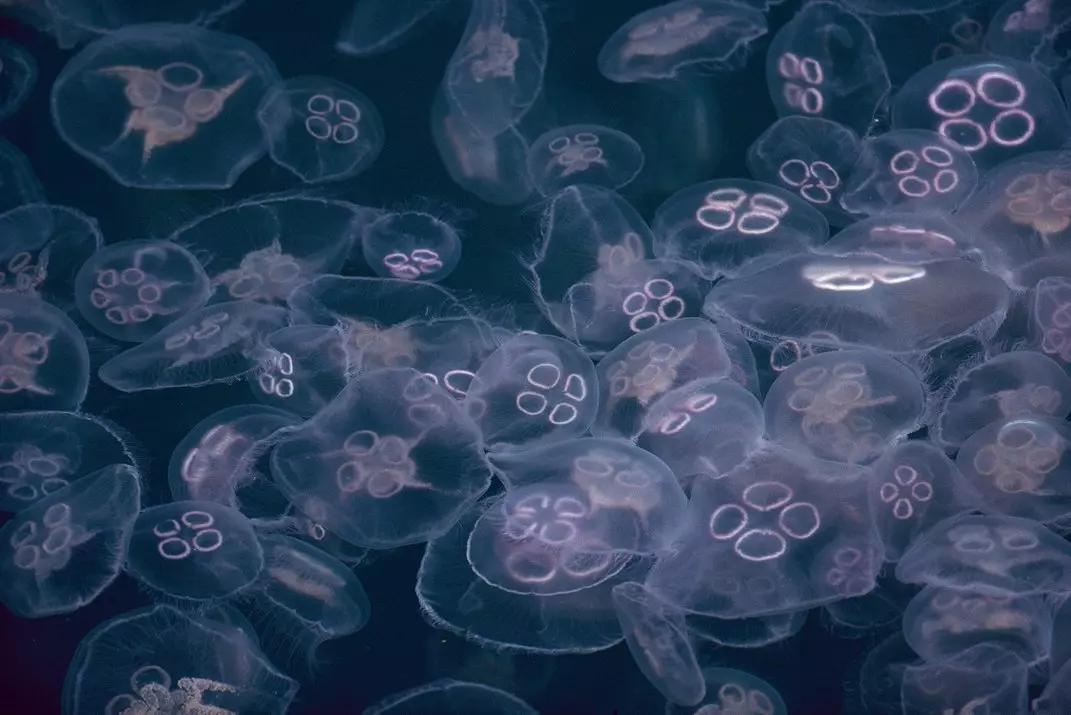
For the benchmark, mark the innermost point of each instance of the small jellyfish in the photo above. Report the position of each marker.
(320, 129)
(163, 106)
(825, 63)
(18, 74)
(583, 154)
(132, 290)
(496, 72)
(160, 659)
(44, 361)
(42, 248)
(61, 553)
(194, 550)
(411, 245)
(665, 41)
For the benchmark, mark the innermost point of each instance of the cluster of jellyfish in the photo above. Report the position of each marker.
(840, 385)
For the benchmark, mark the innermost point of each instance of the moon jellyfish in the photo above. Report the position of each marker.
(903, 238)
(583, 154)
(18, 75)
(44, 361)
(411, 245)
(42, 453)
(983, 676)
(301, 368)
(320, 129)
(496, 72)
(194, 550)
(377, 26)
(159, 658)
(391, 461)
(734, 692)
(446, 696)
(746, 632)
(42, 248)
(659, 643)
(216, 343)
(132, 290)
(61, 553)
(163, 106)
(18, 184)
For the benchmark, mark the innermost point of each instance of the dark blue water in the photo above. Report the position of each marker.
(397, 649)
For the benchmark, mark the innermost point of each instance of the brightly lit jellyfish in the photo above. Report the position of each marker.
(861, 300)
(780, 533)
(660, 644)
(706, 426)
(583, 154)
(825, 63)
(377, 26)
(1021, 215)
(132, 290)
(411, 245)
(42, 453)
(320, 129)
(44, 361)
(42, 248)
(159, 659)
(991, 554)
(995, 108)
(18, 75)
(532, 391)
(455, 599)
(18, 184)
(451, 696)
(213, 461)
(217, 343)
(194, 550)
(275, 244)
(300, 368)
(391, 461)
(902, 238)
(845, 405)
(491, 168)
(163, 106)
(734, 692)
(665, 41)
(909, 171)
(810, 157)
(732, 226)
(62, 552)
(639, 371)
(914, 486)
(496, 72)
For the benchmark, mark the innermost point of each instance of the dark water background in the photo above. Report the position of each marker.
(397, 649)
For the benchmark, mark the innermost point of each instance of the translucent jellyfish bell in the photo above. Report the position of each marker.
(42, 453)
(391, 461)
(1030, 30)
(320, 129)
(902, 238)
(659, 643)
(133, 289)
(411, 245)
(194, 550)
(732, 226)
(532, 391)
(496, 72)
(18, 184)
(61, 553)
(18, 75)
(985, 675)
(440, 697)
(862, 300)
(377, 26)
(662, 42)
(810, 157)
(42, 248)
(216, 343)
(734, 692)
(995, 108)
(914, 486)
(44, 361)
(825, 63)
(1050, 319)
(746, 632)
(780, 533)
(107, 16)
(163, 106)
(845, 405)
(991, 554)
(909, 171)
(583, 154)
(158, 657)
(301, 368)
